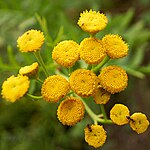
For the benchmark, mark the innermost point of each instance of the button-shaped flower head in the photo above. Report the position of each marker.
(115, 46)
(101, 96)
(30, 41)
(92, 51)
(29, 70)
(54, 88)
(139, 122)
(92, 21)
(15, 87)
(66, 53)
(113, 79)
(95, 135)
(83, 82)
(119, 114)
(70, 111)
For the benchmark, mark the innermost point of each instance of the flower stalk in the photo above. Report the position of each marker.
(100, 65)
(103, 111)
(34, 97)
(93, 116)
(41, 62)
(39, 80)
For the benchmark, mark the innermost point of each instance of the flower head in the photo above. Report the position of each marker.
(70, 111)
(92, 21)
(113, 79)
(15, 87)
(92, 51)
(29, 70)
(115, 46)
(101, 96)
(139, 122)
(30, 41)
(95, 135)
(66, 53)
(83, 82)
(54, 88)
(119, 114)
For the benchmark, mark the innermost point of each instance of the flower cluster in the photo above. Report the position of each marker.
(98, 81)
(120, 115)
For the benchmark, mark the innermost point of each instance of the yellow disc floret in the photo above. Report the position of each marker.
(115, 46)
(70, 111)
(30, 41)
(113, 79)
(92, 51)
(95, 135)
(83, 82)
(92, 21)
(54, 88)
(119, 114)
(29, 70)
(15, 87)
(139, 122)
(101, 96)
(66, 53)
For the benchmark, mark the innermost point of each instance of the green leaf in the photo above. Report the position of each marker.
(145, 69)
(137, 29)
(125, 20)
(134, 72)
(138, 56)
(43, 24)
(59, 35)
(11, 57)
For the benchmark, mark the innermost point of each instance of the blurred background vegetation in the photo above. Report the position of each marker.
(33, 125)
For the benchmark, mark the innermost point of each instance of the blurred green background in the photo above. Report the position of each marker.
(33, 125)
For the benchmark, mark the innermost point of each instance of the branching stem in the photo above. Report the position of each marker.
(40, 60)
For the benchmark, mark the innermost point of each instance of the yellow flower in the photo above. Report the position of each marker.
(119, 114)
(83, 82)
(54, 88)
(101, 96)
(92, 21)
(15, 87)
(115, 46)
(92, 51)
(29, 70)
(66, 53)
(30, 41)
(95, 135)
(113, 79)
(139, 122)
(70, 111)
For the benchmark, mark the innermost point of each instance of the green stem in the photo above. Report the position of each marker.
(40, 60)
(61, 74)
(39, 80)
(103, 111)
(92, 35)
(34, 97)
(93, 116)
(70, 70)
(89, 67)
(100, 65)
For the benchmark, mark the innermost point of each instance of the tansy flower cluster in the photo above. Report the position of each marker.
(97, 81)
(120, 115)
